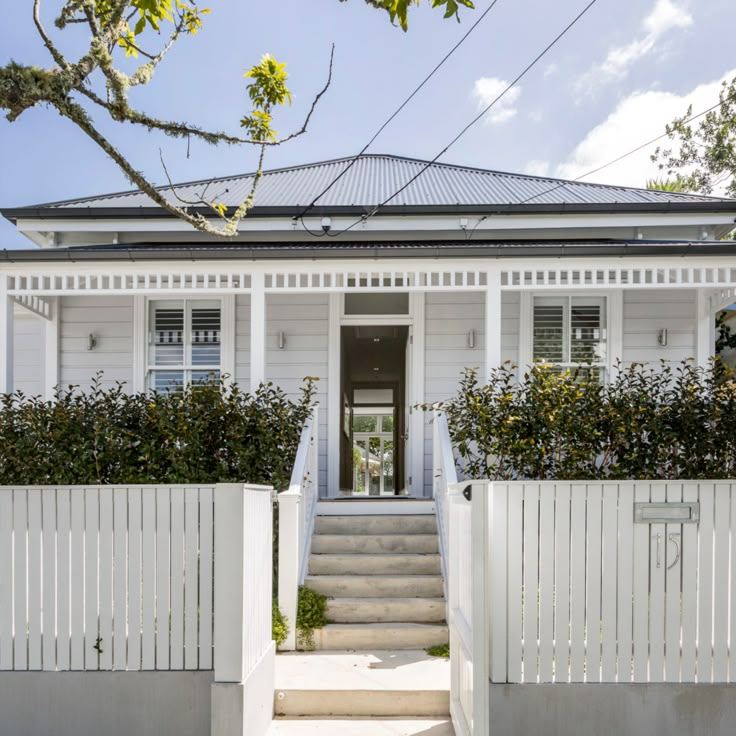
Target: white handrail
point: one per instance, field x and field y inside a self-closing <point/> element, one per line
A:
<point x="297" y="507"/>
<point x="444" y="474"/>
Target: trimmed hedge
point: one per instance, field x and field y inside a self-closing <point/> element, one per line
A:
<point x="647" y="423"/>
<point x="207" y="433"/>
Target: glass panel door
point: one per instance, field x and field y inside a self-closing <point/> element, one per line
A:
<point x="373" y="454"/>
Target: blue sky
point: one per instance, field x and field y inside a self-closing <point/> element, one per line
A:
<point x="627" y="68"/>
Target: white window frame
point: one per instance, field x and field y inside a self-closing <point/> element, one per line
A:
<point x="142" y="325"/>
<point x="613" y="300"/>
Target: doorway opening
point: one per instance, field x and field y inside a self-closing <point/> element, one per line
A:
<point x="374" y="420"/>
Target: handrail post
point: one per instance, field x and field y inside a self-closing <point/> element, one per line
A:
<point x="289" y="545"/>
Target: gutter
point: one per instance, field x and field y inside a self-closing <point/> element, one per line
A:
<point x="462" y="250"/>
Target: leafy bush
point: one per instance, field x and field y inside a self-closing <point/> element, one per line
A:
<point x="439" y="650"/>
<point x="654" y="423"/>
<point x="207" y="433"/>
<point x="311" y="614"/>
<point x="279" y="624"/>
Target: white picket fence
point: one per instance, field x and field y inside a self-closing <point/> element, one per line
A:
<point x="297" y="508"/>
<point x="124" y="578"/>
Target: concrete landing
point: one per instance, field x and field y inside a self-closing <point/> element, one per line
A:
<point x="358" y="727"/>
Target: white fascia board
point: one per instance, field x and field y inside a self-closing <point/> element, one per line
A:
<point x="405" y="225"/>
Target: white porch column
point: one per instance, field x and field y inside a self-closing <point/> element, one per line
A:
<point x="51" y="354"/>
<point x="257" y="330"/>
<point x="705" y="329"/>
<point x="493" y="322"/>
<point x="7" y="337"/>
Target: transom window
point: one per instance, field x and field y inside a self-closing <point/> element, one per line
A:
<point x="570" y="331"/>
<point x="184" y="343"/>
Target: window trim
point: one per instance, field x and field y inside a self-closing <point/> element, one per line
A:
<point x="142" y="313"/>
<point x="614" y="325"/>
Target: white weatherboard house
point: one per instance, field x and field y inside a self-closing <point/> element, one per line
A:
<point x="465" y="267"/>
<point x="462" y="268"/>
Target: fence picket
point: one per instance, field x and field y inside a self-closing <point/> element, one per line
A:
<point x="105" y="578"/>
<point x="48" y="579"/>
<point x="20" y="559"/>
<point x="689" y="590"/>
<point x="594" y="544"/>
<point x="705" y="583"/>
<point x="546" y="580"/>
<point x="498" y="509"/>
<point x="673" y="591"/>
<point x="720" y="590"/>
<point x="206" y="568"/>
<point x="641" y="570"/>
<point x="191" y="569"/>
<point x="78" y="595"/>
<point x="177" y="579"/>
<point x="609" y="577"/>
<point x="91" y="557"/>
<point x="515" y="580"/>
<point x="624" y="593"/>
<point x="35" y="579"/>
<point x="163" y="599"/>
<point x="135" y="525"/>
<point x="63" y="579"/>
<point x="732" y="589"/>
<point x="6" y="579"/>
<point x="531" y="581"/>
<point x="562" y="583"/>
<point x="577" y="582"/>
<point x="119" y="641"/>
<point x="148" y="584"/>
<point x="658" y="541"/>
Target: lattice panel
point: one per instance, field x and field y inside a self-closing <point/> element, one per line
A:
<point x="424" y="280"/>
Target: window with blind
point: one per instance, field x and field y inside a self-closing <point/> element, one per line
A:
<point x="570" y="331"/>
<point x="184" y="343"/>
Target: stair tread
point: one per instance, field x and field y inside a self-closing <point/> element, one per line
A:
<point x="386" y="599"/>
<point x="385" y="625"/>
<point x="382" y="575"/>
<point x="377" y="555"/>
<point x="366" y="726"/>
<point x="396" y="670"/>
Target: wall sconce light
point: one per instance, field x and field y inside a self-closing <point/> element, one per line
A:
<point x="662" y="337"/>
<point x="91" y="341"/>
<point x="282" y="340"/>
<point x="463" y="223"/>
<point x="326" y="224"/>
<point x="471" y="339"/>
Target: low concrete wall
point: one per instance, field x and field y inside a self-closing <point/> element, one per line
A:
<point x="105" y="703"/>
<point x="613" y="710"/>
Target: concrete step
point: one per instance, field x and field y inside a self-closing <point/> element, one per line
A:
<point x="380" y="683"/>
<point x="373" y="506"/>
<point x="377" y="586"/>
<point x="385" y="524"/>
<point x="370" y="726"/>
<point x="376" y="610"/>
<point x="383" y="564"/>
<point x="370" y="636"/>
<point x="374" y="543"/>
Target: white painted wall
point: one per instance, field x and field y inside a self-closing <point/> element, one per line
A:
<point x="110" y="319"/>
<point x="29" y="353"/>
<point x="646" y="312"/>
<point x="303" y="318"/>
<point x="242" y="341"/>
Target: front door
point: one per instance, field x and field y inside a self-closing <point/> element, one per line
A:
<point x="373" y="421"/>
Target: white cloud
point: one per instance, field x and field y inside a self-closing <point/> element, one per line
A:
<point x="550" y="69"/>
<point x="640" y="117"/>
<point x="486" y="90"/>
<point x="536" y="167"/>
<point x="666" y="16"/>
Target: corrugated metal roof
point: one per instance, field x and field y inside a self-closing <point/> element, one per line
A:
<point x="374" y="178"/>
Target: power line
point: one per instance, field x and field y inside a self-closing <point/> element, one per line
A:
<point x="729" y="98"/>
<point x="474" y="120"/>
<point x="391" y="117"/>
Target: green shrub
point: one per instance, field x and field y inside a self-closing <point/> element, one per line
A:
<point x="203" y="434"/>
<point x="279" y="624"/>
<point x="649" y="423"/>
<point x="311" y="614"/>
<point x="439" y="650"/>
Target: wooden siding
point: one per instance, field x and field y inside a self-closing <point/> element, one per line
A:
<point x="242" y="341"/>
<point x="646" y="312"/>
<point x="29" y="354"/>
<point x="304" y="320"/>
<point x="110" y="319"/>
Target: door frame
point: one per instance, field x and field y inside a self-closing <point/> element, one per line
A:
<point x="414" y="461"/>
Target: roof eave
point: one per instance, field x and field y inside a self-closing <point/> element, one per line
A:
<point x="574" y="208"/>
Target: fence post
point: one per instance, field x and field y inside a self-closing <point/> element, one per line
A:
<point x="481" y="500"/>
<point x="289" y="546"/>
<point x="242" y="691"/>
